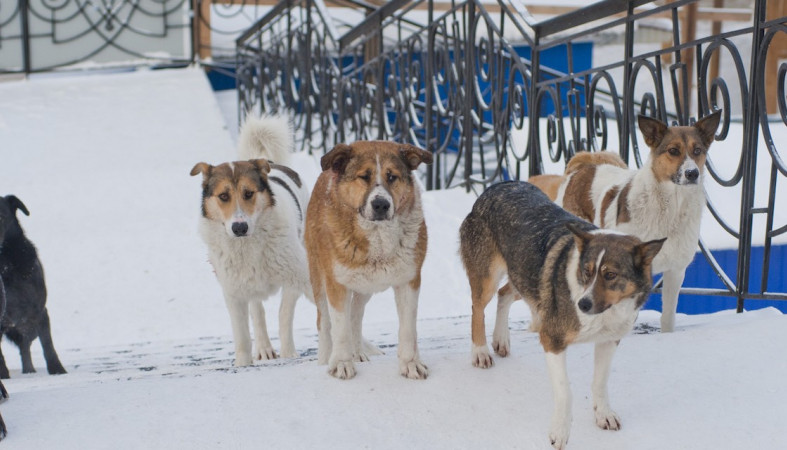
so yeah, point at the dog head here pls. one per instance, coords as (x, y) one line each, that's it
(374, 177)
(235, 194)
(678, 153)
(9, 225)
(612, 267)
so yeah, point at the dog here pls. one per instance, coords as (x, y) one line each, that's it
(252, 223)
(550, 184)
(582, 284)
(665, 197)
(26, 317)
(365, 232)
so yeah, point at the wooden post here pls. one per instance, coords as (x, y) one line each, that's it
(777, 51)
(689, 29)
(201, 30)
(715, 31)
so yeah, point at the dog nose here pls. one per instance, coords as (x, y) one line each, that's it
(585, 304)
(380, 207)
(692, 174)
(240, 228)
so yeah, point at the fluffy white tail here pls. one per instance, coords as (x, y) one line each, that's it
(267, 137)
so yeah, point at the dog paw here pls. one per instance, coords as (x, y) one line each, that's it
(482, 358)
(265, 354)
(606, 419)
(502, 347)
(289, 354)
(242, 360)
(360, 357)
(414, 370)
(558, 436)
(343, 370)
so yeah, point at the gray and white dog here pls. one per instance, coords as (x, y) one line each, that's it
(582, 284)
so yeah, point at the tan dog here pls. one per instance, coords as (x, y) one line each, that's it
(365, 232)
(550, 184)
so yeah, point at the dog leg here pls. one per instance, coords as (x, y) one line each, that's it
(561, 417)
(3, 368)
(262, 343)
(359, 305)
(289, 297)
(239, 317)
(673, 280)
(605, 417)
(410, 364)
(324, 343)
(24, 351)
(501, 337)
(53, 365)
(482, 291)
(340, 306)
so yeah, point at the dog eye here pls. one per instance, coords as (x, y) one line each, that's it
(392, 178)
(225, 197)
(697, 151)
(674, 151)
(365, 177)
(609, 276)
(248, 194)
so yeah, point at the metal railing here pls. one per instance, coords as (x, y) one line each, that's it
(467, 80)
(45, 35)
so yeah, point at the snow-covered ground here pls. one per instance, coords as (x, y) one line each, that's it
(102, 164)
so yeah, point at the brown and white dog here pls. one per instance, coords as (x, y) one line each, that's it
(665, 197)
(582, 284)
(252, 223)
(365, 232)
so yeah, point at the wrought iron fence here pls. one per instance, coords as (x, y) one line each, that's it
(468, 81)
(42, 35)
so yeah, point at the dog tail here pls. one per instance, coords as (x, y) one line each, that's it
(582, 159)
(266, 136)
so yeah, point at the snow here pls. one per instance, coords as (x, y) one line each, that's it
(102, 164)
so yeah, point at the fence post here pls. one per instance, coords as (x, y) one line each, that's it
(467, 114)
(533, 113)
(24, 11)
(750, 133)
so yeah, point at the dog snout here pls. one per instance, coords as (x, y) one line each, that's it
(585, 304)
(380, 207)
(240, 228)
(692, 175)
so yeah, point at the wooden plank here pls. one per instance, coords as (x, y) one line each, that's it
(776, 52)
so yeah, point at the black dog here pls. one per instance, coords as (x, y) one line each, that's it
(25, 316)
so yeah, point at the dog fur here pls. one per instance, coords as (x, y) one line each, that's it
(252, 223)
(365, 232)
(550, 184)
(26, 316)
(665, 197)
(582, 284)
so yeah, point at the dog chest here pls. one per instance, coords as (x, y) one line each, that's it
(611, 325)
(390, 260)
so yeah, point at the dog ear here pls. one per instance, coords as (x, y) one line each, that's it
(644, 253)
(263, 165)
(203, 168)
(707, 127)
(14, 203)
(337, 159)
(581, 237)
(653, 130)
(413, 156)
